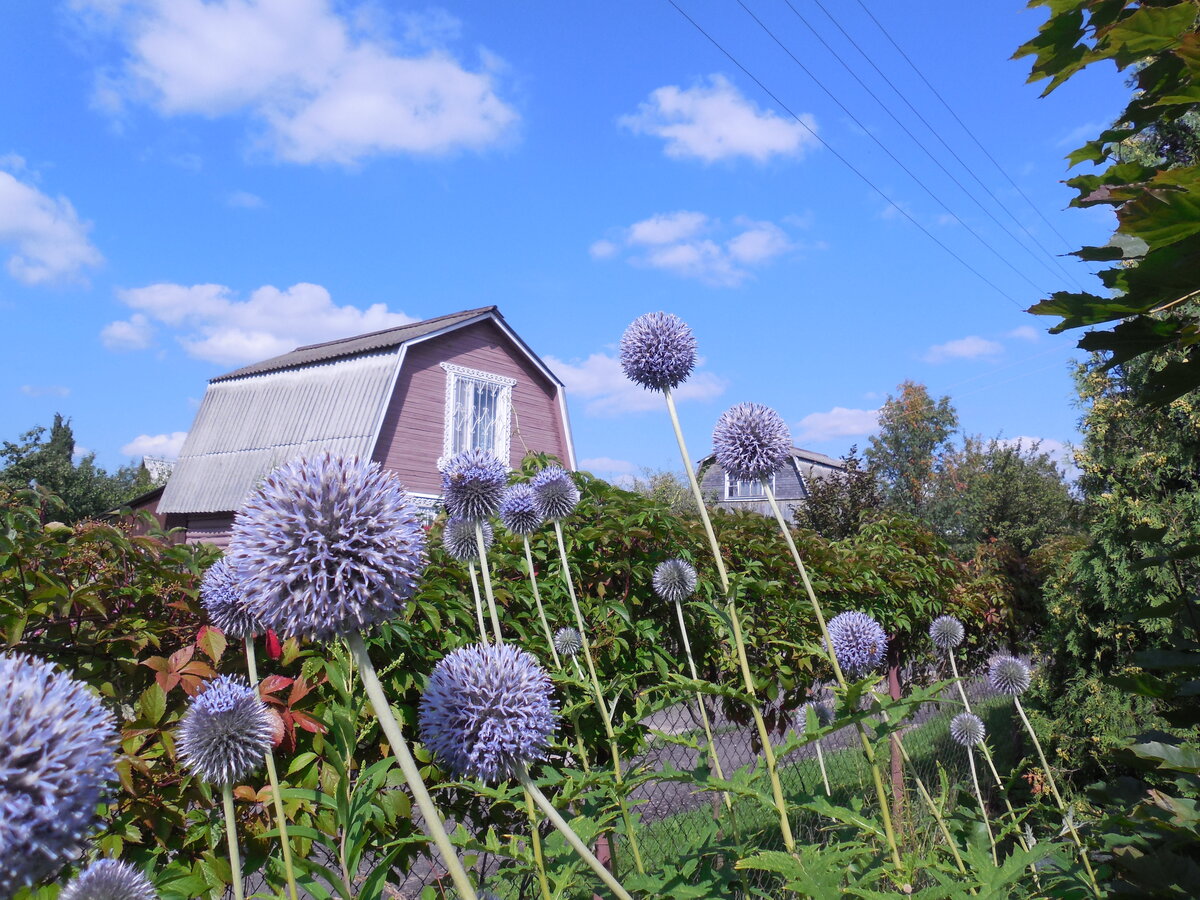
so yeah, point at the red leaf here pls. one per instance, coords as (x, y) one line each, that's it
(277, 729)
(307, 722)
(181, 657)
(273, 683)
(274, 648)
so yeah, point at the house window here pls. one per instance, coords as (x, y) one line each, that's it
(754, 489)
(478, 412)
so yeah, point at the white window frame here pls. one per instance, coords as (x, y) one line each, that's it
(762, 496)
(456, 373)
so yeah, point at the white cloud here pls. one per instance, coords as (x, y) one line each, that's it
(600, 382)
(49, 242)
(607, 465)
(243, 200)
(970, 347)
(1025, 333)
(693, 245)
(134, 333)
(212, 324)
(838, 422)
(163, 445)
(714, 121)
(45, 390)
(326, 85)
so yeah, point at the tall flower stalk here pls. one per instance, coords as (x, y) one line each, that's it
(967, 729)
(472, 486)
(519, 513)
(459, 540)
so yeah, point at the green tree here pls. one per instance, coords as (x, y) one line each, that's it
(839, 504)
(913, 428)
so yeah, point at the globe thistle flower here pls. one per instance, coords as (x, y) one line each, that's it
(109, 879)
(658, 351)
(56, 759)
(859, 642)
(519, 510)
(221, 597)
(967, 729)
(555, 493)
(226, 732)
(824, 712)
(946, 632)
(458, 537)
(327, 546)
(568, 641)
(1008, 675)
(674, 580)
(473, 483)
(751, 442)
(487, 710)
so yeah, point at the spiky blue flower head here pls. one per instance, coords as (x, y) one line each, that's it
(946, 632)
(824, 712)
(473, 483)
(967, 729)
(488, 709)
(555, 493)
(222, 598)
(226, 732)
(327, 546)
(674, 580)
(109, 879)
(519, 509)
(1008, 675)
(751, 441)
(658, 351)
(56, 759)
(568, 641)
(458, 537)
(858, 641)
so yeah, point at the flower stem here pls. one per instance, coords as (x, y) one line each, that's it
(764, 735)
(391, 730)
(708, 735)
(982, 806)
(483, 637)
(536, 840)
(1062, 807)
(821, 763)
(605, 714)
(273, 778)
(487, 581)
(235, 859)
(933, 808)
(537, 598)
(569, 834)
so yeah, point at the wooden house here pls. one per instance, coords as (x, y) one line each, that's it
(789, 485)
(408, 397)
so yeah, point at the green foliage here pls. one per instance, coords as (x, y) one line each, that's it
(841, 502)
(913, 427)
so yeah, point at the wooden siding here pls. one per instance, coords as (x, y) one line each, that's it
(209, 528)
(411, 439)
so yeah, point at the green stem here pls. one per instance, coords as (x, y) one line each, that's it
(235, 859)
(273, 778)
(982, 806)
(1062, 807)
(569, 834)
(536, 840)
(391, 730)
(708, 735)
(483, 638)
(600, 704)
(487, 581)
(821, 763)
(537, 598)
(933, 808)
(764, 735)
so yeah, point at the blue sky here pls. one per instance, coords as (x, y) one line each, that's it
(187, 186)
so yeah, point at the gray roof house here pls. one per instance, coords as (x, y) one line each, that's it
(789, 485)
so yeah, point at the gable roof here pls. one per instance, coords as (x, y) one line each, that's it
(799, 455)
(330, 396)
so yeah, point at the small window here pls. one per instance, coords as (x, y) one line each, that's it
(478, 410)
(754, 489)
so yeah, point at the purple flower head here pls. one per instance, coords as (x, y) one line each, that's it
(221, 597)
(458, 537)
(946, 632)
(226, 732)
(658, 351)
(858, 641)
(473, 483)
(487, 709)
(568, 641)
(967, 729)
(327, 546)
(109, 879)
(674, 580)
(1008, 675)
(519, 509)
(751, 442)
(555, 493)
(56, 758)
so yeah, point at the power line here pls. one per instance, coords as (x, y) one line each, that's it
(963, 125)
(937, 134)
(882, 146)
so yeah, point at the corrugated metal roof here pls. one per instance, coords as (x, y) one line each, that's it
(248, 425)
(362, 343)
